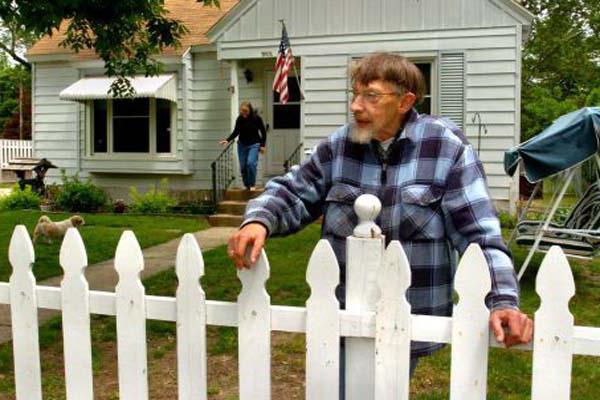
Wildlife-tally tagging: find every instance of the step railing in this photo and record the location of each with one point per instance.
(222, 173)
(293, 159)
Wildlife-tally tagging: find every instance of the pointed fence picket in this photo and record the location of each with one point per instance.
(377, 322)
(76, 319)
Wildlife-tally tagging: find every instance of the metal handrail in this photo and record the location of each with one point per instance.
(222, 173)
(293, 159)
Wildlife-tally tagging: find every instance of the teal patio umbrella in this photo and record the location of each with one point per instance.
(570, 140)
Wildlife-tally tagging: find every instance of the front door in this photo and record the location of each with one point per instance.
(284, 122)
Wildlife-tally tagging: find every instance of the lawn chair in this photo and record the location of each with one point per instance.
(561, 148)
(579, 235)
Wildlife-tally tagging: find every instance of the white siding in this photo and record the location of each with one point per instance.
(55, 121)
(489, 81)
(341, 17)
(208, 117)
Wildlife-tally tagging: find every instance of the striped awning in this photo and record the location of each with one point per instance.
(96, 88)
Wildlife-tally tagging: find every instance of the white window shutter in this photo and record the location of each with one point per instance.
(452, 87)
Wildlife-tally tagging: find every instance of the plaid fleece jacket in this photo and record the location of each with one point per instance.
(434, 201)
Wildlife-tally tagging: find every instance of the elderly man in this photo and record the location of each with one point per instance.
(430, 182)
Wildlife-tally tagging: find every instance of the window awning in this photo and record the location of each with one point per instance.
(97, 88)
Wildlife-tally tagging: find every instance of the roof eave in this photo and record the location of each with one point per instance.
(516, 10)
(228, 19)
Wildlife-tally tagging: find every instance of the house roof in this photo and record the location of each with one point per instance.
(193, 14)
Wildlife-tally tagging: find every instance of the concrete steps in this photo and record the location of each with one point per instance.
(230, 211)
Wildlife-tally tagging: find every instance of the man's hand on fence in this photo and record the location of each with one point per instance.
(519, 326)
(251, 236)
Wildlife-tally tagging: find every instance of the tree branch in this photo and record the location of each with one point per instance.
(15, 56)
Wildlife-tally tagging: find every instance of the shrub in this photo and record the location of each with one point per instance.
(20, 199)
(76, 195)
(507, 220)
(154, 201)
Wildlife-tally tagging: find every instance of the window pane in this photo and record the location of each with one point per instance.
(426, 71)
(131, 107)
(293, 90)
(425, 106)
(99, 127)
(163, 126)
(286, 116)
(130, 135)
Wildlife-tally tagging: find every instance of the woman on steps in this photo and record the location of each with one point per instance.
(252, 138)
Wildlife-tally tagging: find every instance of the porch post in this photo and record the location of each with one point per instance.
(234, 90)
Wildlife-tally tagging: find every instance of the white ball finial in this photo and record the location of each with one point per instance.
(367, 207)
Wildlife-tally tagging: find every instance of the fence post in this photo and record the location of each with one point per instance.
(131, 320)
(76, 318)
(553, 334)
(364, 252)
(254, 332)
(322, 325)
(24, 319)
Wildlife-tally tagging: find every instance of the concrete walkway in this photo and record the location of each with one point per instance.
(102, 276)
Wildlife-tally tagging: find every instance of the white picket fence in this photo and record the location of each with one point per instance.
(10, 149)
(377, 323)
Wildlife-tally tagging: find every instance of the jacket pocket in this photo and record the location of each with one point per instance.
(420, 216)
(340, 218)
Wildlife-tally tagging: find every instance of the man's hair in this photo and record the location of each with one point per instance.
(391, 68)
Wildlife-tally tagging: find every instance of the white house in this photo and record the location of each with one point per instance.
(469, 51)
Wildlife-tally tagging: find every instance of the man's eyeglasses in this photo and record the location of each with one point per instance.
(369, 96)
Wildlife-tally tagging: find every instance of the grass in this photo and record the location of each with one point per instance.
(509, 372)
(100, 234)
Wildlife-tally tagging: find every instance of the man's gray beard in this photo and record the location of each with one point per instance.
(361, 135)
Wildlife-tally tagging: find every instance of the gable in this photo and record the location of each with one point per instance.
(259, 19)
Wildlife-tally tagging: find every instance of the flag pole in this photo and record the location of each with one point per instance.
(302, 96)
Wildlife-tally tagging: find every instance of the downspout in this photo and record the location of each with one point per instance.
(185, 85)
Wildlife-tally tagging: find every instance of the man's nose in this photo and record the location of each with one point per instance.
(356, 106)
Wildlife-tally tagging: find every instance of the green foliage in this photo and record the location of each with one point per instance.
(20, 199)
(154, 201)
(541, 107)
(11, 80)
(507, 220)
(76, 195)
(126, 34)
(560, 69)
(593, 100)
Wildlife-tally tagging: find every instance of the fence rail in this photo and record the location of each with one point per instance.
(378, 323)
(10, 149)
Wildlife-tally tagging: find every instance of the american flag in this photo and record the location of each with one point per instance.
(284, 62)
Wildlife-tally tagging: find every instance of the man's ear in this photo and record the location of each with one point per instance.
(407, 102)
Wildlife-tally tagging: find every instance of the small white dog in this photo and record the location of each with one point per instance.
(55, 230)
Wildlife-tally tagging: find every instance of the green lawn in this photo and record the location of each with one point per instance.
(509, 374)
(100, 234)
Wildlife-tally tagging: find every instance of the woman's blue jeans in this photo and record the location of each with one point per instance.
(248, 157)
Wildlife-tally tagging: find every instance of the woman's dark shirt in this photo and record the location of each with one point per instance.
(251, 130)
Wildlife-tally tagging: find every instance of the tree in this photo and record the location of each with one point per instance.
(15, 101)
(560, 60)
(125, 34)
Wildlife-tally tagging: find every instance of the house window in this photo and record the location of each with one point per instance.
(142, 125)
(428, 69)
(425, 106)
(287, 116)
